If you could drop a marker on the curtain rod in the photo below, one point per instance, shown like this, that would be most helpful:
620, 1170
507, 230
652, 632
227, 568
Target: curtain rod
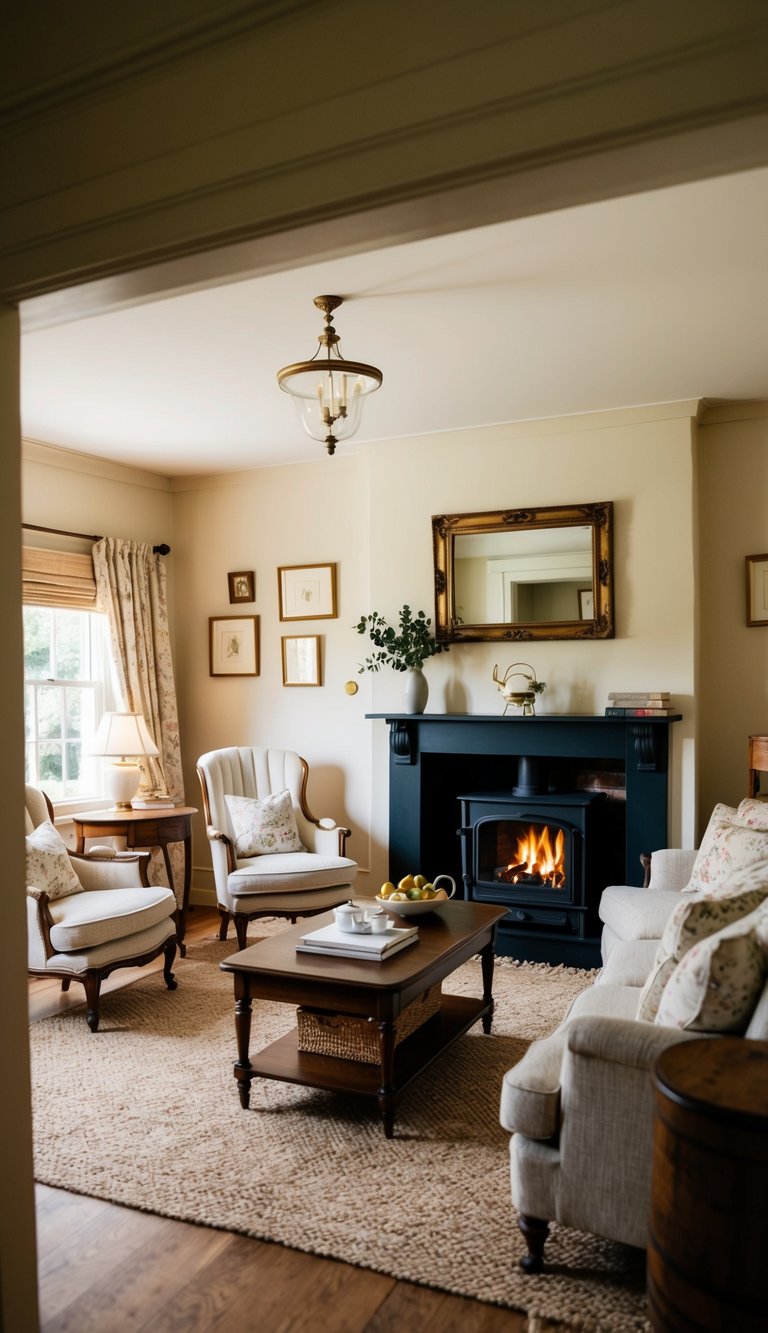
86, 536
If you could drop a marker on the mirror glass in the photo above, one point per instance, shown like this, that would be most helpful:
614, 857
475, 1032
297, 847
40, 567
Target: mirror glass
524, 574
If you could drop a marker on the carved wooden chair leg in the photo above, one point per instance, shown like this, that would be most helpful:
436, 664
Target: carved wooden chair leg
169, 953
223, 924
92, 984
241, 930
535, 1231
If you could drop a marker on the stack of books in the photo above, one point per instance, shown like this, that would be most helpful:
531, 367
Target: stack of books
337, 943
639, 703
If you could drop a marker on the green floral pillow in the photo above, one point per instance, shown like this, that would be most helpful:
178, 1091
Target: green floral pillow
731, 852
264, 827
48, 863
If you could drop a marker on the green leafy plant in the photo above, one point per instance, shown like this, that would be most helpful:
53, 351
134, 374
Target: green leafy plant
407, 646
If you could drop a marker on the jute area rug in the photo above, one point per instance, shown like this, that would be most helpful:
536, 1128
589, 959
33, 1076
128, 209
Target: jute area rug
146, 1113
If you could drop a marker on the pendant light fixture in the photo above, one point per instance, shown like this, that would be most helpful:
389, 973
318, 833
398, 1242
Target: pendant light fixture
328, 391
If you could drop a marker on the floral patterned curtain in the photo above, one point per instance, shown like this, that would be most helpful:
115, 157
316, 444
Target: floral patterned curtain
131, 592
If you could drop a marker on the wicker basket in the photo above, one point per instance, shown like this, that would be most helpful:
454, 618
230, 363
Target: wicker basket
347, 1038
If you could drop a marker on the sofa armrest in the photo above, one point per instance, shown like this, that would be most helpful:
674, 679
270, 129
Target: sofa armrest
622, 1042
670, 868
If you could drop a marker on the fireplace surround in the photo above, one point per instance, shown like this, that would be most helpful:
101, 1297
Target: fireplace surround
602, 781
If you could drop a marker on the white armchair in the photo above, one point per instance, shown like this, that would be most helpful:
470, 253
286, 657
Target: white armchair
280, 883
113, 918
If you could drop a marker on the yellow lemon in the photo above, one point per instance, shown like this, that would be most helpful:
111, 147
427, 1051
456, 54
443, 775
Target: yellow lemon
386, 889
407, 882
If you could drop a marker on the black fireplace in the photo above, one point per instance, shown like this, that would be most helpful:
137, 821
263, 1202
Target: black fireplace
601, 782
543, 857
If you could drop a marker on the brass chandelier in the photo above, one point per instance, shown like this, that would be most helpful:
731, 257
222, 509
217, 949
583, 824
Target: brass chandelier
328, 391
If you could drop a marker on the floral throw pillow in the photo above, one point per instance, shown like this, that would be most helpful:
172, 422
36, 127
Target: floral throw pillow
693, 919
266, 826
753, 813
717, 984
732, 851
48, 863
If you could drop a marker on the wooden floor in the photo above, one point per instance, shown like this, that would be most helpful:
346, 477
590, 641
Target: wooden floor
111, 1269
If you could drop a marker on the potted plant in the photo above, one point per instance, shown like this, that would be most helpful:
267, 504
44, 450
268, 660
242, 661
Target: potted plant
404, 649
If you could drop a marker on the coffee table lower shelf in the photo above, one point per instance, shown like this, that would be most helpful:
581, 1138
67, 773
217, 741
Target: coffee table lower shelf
284, 1061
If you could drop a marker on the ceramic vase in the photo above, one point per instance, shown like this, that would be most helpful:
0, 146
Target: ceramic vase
415, 690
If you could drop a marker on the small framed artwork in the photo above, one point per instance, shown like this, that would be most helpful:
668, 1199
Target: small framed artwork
757, 589
242, 586
307, 592
301, 659
586, 604
234, 645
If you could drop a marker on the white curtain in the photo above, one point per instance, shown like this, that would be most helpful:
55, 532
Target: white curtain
131, 591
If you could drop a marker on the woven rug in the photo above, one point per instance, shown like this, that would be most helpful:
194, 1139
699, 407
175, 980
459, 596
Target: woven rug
145, 1113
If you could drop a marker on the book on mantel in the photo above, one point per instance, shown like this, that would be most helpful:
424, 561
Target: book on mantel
331, 941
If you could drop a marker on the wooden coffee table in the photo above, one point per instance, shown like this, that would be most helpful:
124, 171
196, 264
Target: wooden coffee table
273, 970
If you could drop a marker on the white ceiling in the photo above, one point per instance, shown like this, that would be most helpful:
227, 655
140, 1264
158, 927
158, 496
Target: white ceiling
651, 298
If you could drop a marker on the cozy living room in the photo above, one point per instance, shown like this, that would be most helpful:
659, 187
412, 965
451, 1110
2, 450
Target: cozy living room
395, 768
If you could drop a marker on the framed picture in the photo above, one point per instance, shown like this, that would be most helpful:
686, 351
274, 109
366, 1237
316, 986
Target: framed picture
757, 589
301, 659
234, 645
242, 586
307, 592
586, 604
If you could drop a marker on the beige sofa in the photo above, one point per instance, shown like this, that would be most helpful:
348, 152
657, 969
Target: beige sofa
579, 1105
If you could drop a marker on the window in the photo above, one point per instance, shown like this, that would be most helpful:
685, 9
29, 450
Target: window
66, 689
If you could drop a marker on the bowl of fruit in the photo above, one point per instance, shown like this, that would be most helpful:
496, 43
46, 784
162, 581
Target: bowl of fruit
415, 894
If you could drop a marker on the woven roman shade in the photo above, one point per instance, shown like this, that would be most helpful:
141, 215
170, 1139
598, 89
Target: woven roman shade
57, 578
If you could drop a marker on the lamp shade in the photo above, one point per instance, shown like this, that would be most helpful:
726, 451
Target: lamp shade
123, 734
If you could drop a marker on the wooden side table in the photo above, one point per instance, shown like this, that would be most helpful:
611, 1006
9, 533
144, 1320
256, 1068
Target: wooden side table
708, 1233
758, 762
145, 829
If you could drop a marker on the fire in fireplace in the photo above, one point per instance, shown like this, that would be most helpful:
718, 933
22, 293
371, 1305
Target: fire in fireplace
538, 859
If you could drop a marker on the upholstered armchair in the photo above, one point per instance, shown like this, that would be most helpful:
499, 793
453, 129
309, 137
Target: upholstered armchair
88, 914
271, 856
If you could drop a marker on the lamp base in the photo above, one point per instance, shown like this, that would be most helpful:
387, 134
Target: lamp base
121, 782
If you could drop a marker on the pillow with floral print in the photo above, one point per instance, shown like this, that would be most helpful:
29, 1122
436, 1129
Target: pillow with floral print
733, 851
753, 813
266, 826
692, 920
717, 984
48, 864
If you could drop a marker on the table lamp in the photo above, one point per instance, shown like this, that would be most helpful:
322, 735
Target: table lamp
124, 735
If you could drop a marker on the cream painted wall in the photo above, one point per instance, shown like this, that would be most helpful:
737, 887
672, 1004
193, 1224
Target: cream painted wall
640, 459
309, 514
733, 459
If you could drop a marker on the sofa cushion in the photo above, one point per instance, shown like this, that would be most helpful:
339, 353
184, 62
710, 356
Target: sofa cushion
264, 828
85, 920
637, 914
628, 963
716, 985
304, 870
48, 864
733, 851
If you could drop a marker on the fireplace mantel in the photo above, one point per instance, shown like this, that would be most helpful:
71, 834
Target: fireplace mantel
435, 756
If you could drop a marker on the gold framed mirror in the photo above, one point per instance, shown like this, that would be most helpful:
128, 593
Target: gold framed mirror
516, 574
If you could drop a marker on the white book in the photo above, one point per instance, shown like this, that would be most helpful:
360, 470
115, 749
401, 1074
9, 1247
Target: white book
160, 803
332, 951
367, 945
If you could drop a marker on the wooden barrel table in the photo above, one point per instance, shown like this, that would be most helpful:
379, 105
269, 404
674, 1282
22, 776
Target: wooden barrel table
708, 1232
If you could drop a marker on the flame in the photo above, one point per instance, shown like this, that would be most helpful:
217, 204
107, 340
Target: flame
536, 856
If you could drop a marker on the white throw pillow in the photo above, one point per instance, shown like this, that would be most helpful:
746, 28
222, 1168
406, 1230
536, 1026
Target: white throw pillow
48, 863
717, 984
733, 852
693, 919
264, 827
753, 813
